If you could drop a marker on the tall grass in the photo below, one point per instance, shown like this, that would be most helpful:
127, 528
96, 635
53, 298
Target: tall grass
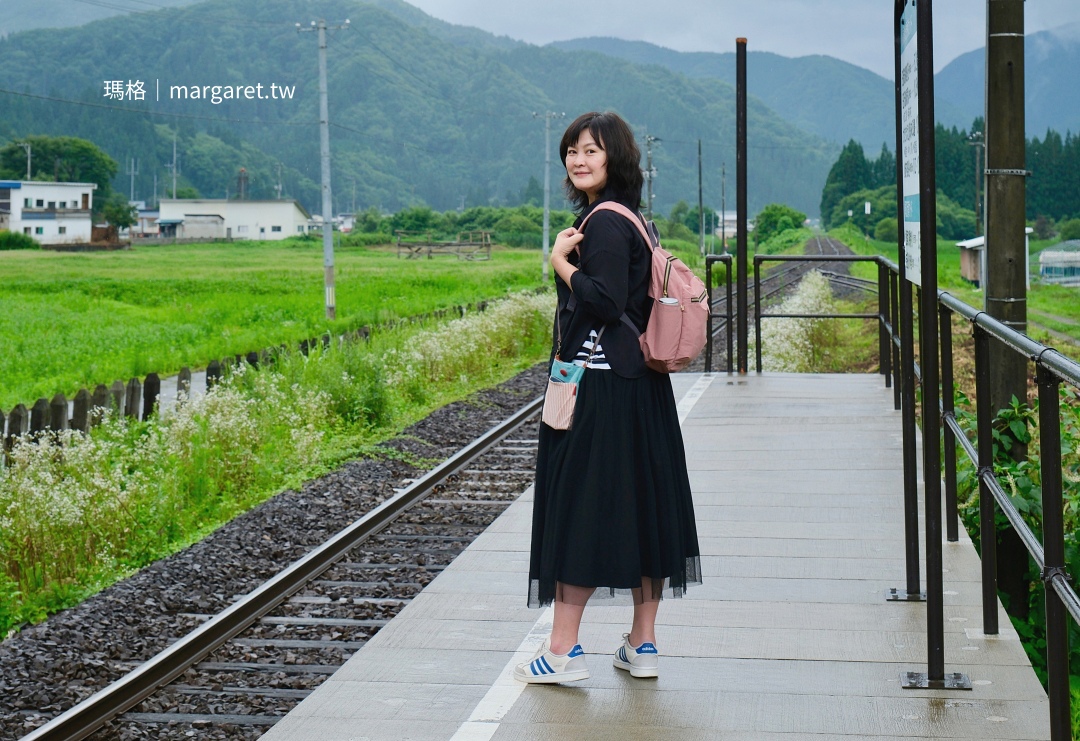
78, 512
69, 320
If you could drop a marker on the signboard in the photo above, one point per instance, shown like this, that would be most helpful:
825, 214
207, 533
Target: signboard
909, 157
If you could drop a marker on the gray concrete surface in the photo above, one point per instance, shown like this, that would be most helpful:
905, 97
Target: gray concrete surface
798, 488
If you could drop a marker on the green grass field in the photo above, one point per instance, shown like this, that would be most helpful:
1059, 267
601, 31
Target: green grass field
1049, 306
69, 320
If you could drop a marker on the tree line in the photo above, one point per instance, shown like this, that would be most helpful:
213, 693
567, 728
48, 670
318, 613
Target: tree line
1053, 189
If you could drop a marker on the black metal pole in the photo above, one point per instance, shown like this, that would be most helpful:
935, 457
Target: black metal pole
883, 325
757, 312
913, 591
948, 412
1057, 628
987, 527
740, 198
730, 318
894, 346
928, 350
708, 328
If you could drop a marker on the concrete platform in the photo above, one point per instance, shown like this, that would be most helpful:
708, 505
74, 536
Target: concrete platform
798, 489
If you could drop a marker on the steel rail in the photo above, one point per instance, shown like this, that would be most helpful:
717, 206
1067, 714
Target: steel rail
90, 714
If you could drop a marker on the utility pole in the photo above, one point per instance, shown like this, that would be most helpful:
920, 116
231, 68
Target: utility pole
1006, 279
700, 203
278, 187
324, 147
547, 116
975, 139
155, 203
650, 171
173, 168
29, 154
133, 170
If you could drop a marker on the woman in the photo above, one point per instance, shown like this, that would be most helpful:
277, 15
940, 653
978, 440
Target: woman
613, 513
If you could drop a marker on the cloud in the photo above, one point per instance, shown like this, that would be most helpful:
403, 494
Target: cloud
857, 31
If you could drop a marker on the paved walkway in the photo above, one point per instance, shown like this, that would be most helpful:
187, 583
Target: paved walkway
798, 488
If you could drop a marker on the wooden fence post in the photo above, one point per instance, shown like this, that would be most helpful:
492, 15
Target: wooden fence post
39, 416
80, 414
213, 374
3, 440
183, 382
99, 405
117, 393
18, 424
58, 413
131, 398
151, 394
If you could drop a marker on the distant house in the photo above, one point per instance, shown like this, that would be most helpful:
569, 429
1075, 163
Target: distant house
217, 218
973, 259
1062, 264
51, 213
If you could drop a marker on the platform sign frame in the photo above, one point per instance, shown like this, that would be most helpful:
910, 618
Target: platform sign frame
908, 147
916, 203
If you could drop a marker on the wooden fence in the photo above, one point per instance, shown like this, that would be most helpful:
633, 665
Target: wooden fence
139, 399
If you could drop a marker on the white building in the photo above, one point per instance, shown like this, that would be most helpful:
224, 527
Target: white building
216, 218
51, 213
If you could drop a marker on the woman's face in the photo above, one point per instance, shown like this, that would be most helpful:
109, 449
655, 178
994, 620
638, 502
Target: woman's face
586, 165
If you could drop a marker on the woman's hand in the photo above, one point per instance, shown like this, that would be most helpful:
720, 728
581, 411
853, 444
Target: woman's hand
565, 241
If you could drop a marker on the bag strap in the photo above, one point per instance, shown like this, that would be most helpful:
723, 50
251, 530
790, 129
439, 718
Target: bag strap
624, 211
637, 219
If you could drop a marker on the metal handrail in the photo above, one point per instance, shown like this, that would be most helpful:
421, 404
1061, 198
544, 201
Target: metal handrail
728, 313
1051, 370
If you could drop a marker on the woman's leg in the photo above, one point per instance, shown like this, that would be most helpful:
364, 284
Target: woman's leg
644, 628
569, 606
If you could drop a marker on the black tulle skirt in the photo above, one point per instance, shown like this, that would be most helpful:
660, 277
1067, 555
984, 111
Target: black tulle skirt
613, 509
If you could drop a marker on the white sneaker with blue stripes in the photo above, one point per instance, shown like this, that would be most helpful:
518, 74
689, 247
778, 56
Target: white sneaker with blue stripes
640, 661
550, 668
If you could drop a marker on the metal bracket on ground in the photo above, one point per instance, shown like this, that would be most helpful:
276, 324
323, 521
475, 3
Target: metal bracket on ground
896, 595
922, 681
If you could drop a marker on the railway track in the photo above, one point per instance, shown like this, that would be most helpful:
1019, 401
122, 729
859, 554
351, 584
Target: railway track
777, 283
241, 669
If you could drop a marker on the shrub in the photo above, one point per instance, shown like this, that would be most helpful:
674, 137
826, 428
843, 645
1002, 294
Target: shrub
16, 241
774, 219
886, 230
1070, 229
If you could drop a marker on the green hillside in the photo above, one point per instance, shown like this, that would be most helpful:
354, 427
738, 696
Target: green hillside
422, 111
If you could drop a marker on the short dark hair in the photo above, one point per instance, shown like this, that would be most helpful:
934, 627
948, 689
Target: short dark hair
624, 178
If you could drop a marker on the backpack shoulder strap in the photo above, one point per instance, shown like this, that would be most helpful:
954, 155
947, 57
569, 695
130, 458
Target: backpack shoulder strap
624, 211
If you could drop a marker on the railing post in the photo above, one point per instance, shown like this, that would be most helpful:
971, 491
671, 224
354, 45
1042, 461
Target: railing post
708, 329
987, 526
894, 290
1057, 629
730, 318
913, 592
757, 311
884, 343
948, 412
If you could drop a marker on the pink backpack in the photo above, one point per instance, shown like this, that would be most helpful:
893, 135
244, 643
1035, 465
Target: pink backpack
675, 334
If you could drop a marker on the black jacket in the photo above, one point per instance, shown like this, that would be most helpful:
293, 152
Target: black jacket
613, 277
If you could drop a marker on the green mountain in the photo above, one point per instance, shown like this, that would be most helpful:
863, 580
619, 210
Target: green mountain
1051, 59
422, 111
835, 100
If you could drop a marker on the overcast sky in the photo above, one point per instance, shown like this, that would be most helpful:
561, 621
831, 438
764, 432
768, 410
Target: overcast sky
857, 31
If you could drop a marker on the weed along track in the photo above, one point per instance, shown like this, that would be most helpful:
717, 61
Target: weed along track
777, 282
350, 577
